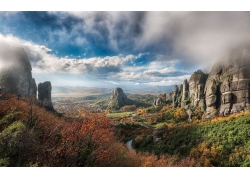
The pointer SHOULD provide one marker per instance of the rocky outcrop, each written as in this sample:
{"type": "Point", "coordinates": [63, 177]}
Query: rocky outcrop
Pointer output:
{"type": "Point", "coordinates": [118, 99]}
{"type": "Point", "coordinates": [15, 72]}
{"type": "Point", "coordinates": [169, 97]}
{"type": "Point", "coordinates": [16, 77]}
{"type": "Point", "coordinates": [185, 94]}
{"type": "Point", "coordinates": [44, 95]}
{"type": "Point", "coordinates": [228, 85]}
{"type": "Point", "coordinates": [225, 90]}
{"type": "Point", "coordinates": [158, 133]}
{"type": "Point", "coordinates": [33, 88]}
{"type": "Point", "coordinates": [177, 96]}
{"type": "Point", "coordinates": [197, 83]}
{"type": "Point", "coordinates": [161, 100]}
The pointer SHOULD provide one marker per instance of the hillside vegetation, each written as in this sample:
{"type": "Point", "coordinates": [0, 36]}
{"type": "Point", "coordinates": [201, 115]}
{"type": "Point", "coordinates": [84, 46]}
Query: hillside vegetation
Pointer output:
{"type": "Point", "coordinates": [33, 136]}
{"type": "Point", "coordinates": [218, 142]}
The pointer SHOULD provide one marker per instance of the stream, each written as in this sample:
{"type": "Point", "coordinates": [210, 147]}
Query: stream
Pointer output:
{"type": "Point", "coordinates": [129, 145]}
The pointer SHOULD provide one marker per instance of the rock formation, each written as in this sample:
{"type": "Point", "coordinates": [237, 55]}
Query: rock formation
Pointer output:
{"type": "Point", "coordinates": [15, 72]}
{"type": "Point", "coordinates": [185, 96]}
{"type": "Point", "coordinates": [118, 99]}
{"type": "Point", "coordinates": [197, 83]}
{"type": "Point", "coordinates": [169, 97]}
{"type": "Point", "coordinates": [161, 100]}
{"type": "Point", "coordinates": [16, 77]}
{"type": "Point", "coordinates": [44, 95]}
{"type": "Point", "coordinates": [177, 96]}
{"type": "Point", "coordinates": [228, 84]}
{"type": "Point", "coordinates": [225, 90]}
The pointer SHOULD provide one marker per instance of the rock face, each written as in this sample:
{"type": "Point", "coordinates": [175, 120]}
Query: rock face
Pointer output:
{"type": "Point", "coordinates": [118, 99]}
{"type": "Point", "coordinates": [16, 77]}
{"type": "Point", "coordinates": [185, 93]}
{"type": "Point", "coordinates": [225, 90]}
{"type": "Point", "coordinates": [33, 88]}
{"type": "Point", "coordinates": [15, 72]}
{"type": "Point", "coordinates": [197, 83]}
{"type": "Point", "coordinates": [44, 95]}
{"type": "Point", "coordinates": [228, 85]}
{"type": "Point", "coordinates": [177, 96]}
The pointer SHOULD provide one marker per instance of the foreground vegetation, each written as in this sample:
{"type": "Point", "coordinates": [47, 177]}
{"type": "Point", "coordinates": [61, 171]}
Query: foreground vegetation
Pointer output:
{"type": "Point", "coordinates": [118, 114]}
{"type": "Point", "coordinates": [32, 136]}
{"type": "Point", "coordinates": [217, 142]}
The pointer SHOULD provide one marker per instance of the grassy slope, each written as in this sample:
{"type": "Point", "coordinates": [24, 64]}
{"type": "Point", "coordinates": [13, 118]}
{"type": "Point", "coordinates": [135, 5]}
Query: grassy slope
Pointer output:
{"type": "Point", "coordinates": [119, 114]}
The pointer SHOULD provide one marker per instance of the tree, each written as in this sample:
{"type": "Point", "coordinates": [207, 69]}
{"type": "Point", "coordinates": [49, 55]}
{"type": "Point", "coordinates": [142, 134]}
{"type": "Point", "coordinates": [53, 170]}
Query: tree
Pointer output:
{"type": "Point", "coordinates": [180, 114]}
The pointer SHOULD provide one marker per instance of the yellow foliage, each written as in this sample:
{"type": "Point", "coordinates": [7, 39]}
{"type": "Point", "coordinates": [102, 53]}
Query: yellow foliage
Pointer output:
{"type": "Point", "coordinates": [138, 138]}
{"type": "Point", "coordinates": [107, 111]}
{"type": "Point", "coordinates": [194, 152]}
{"type": "Point", "coordinates": [180, 114]}
{"type": "Point", "coordinates": [207, 163]}
{"type": "Point", "coordinates": [166, 108]}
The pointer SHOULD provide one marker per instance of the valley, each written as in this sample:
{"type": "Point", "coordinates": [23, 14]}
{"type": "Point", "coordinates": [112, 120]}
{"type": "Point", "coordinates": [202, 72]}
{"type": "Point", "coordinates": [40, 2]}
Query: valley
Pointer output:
{"type": "Point", "coordinates": [124, 89]}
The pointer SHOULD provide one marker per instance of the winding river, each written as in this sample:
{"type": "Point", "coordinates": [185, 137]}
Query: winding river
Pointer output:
{"type": "Point", "coordinates": [129, 145]}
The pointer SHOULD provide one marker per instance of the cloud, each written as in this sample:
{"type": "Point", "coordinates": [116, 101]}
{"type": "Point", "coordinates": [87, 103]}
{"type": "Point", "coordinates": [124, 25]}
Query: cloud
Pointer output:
{"type": "Point", "coordinates": [112, 82]}
{"type": "Point", "coordinates": [169, 81]}
{"type": "Point", "coordinates": [177, 43]}
{"type": "Point", "coordinates": [116, 68]}
{"type": "Point", "coordinates": [43, 60]}
{"type": "Point", "coordinates": [150, 75]}
{"type": "Point", "coordinates": [193, 37]}
{"type": "Point", "coordinates": [199, 37]}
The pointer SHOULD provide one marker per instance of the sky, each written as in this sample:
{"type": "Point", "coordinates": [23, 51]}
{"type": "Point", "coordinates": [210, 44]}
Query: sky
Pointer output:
{"type": "Point", "coordinates": [128, 49]}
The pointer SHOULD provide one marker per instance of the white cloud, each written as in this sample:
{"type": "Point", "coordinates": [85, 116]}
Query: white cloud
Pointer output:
{"type": "Point", "coordinates": [169, 81]}
{"type": "Point", "coordinates": [43, 60]}
{"type": "Point", "coordinates": [112, 82]}
{"type": "Point", "coordinates": [115, 69]}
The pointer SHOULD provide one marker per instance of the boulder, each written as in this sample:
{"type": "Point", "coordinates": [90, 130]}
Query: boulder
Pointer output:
{"type": "Point", "coordinates": [189, 113]}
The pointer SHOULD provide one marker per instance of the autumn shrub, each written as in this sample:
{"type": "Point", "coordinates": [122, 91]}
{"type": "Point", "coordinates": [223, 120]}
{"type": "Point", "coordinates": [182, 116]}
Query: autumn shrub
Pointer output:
{"type": "Point", "coordinates": [166, 108]}
{"type": "Point", "coordinates": [32, 136]}
{"type": "Point", "coordinates": [169, 115]}
{"type": "Point", "coordinates": [180, 114]}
